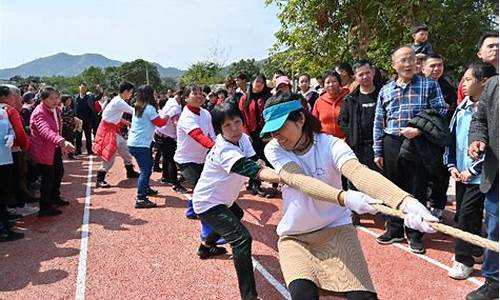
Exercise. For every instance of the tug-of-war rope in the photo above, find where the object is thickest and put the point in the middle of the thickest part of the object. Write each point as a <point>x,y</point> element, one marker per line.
<point>293,176</point>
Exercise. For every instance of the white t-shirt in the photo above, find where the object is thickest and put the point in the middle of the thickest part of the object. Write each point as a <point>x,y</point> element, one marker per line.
<point>323,161</point>
<point>172,111</point>
<point>217,185</point>
<point>188,150</point>
<point>113,111</point>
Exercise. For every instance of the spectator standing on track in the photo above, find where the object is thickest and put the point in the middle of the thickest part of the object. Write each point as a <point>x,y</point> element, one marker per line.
<point>487,51</point>
<point>483,133</point>
<point>433,68</point>
<point>85,110</point>
<point>464,171</point>
<point>68,119</point>
<point>108,142</point>
<point>6,171</point>
<point>251,105</point>
<point>228,164</point>
<point>399,101</point>
<point>317,237</point>
<point>305,89</point>
<point>145,119</point>
<point>327,107</point>
<point>166,138</point>
<point>46,128</point>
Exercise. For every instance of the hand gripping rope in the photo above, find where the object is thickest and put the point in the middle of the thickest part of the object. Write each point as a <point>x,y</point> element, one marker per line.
<point>376,186</point>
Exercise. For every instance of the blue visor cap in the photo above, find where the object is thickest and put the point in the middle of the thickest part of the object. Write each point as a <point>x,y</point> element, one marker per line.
<point>275,116</point>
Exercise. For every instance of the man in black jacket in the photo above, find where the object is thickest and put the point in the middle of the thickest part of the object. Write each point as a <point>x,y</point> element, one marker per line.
<point>358,112</point>
<point>433,68</point>
<point>85,111</point>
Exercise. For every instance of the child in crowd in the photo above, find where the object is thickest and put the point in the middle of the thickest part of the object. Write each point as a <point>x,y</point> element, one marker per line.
<point>6,170</point>
<point>144,121</point>
<point>421,45</point>
<point>230,161</point>
<point>46,128</point>
<point>465,171</point>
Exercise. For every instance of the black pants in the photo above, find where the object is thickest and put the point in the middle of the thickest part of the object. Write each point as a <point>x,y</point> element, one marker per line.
<point>191,172</point>
<point>20,170</point>
<point>167,146</point>
<point>6,190</point>
<point>226,222</point>
<point>439,188</point>
<point>410,176</point>
<point>51,181</point>
<point>87,130</point>
<point>470,203</point>
<point>304,289</point>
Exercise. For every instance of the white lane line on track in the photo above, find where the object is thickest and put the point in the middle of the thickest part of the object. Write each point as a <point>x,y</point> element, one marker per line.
<point>424,257</point>
<point>270,278</point>
<point>82,263</point>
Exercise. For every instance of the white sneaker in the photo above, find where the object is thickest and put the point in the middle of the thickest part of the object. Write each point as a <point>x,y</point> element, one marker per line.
<point>26,210</point>
<point>460,271</point>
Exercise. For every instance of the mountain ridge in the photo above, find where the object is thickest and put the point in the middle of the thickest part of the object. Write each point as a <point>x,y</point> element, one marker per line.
<point>67,65</point>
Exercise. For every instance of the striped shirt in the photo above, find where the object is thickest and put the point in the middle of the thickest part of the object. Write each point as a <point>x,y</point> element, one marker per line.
<point>399,103</point>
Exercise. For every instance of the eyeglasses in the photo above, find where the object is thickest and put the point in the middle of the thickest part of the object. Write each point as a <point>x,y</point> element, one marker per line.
<point>409,60</point>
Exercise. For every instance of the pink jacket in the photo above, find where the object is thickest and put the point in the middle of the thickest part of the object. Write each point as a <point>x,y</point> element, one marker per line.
<point>44,134</point>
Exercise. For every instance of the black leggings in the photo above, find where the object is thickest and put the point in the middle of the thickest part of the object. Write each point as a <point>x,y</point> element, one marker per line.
<point>303,289</point>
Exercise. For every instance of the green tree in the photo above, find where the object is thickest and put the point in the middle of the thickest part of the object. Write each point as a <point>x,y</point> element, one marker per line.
<point>93,76</point>
<point>139,72</point>
<point>202,73</point>
<point>317,34</point>
<point>66,85</point>
<point>247,66</point>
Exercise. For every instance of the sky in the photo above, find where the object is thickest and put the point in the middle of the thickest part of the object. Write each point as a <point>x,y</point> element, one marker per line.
<point>173,33</point>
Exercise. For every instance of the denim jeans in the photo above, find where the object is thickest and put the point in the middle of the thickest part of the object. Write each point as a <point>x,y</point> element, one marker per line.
<point>145,161</point>
<point>490,265</point>
<point>225,221</point>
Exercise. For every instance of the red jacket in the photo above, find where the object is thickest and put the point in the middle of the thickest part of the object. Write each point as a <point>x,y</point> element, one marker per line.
<point>327,110</point>
<point>252,116</point>
<point>21,139</point>
<point>105,140</point>
<point>45,136</point>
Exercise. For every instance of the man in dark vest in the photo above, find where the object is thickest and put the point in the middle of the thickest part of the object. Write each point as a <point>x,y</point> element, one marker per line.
<point>85,110</point>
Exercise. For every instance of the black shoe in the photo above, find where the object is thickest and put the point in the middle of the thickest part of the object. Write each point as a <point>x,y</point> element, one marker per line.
<point>157,169</point>
<point>180,189</point>
<point>49,211</point>
<point>205,252</point>
<point>61,202</point>
<point>489,290</point>
<point>388,238</point>
<point>416,246</point>
<point>131,173</point>
<point>271,193</point>
<point>151,192</point>
<point>167,182</point>
<point>257,190</point>
<point>13,217</point>
<point>144,203</point>
<point>8,235</point>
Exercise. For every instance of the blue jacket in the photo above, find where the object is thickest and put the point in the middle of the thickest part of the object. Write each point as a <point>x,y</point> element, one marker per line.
<point>456,155</point>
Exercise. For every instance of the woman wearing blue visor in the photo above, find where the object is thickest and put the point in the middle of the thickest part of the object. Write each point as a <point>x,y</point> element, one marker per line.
<point>318,246</point>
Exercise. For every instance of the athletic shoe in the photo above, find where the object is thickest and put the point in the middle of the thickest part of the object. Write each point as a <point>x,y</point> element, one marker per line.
<point>8,235</point>
<point>151,192</point>
<point>478,259</point>
<point>460,271</point>
<point>102,184</point>
<point>488,291</point>
<point>438,213</point>
<point>50,211</point>
<point>416,246</point>
<point>27,210</point>
<point>388,238</point>
<point>205,252</point>
<point>61,202</point>
<point>144,203</point>
<point>167,182</point>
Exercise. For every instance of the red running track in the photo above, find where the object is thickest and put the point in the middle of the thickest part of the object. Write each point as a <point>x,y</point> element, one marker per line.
<point>151,254</point>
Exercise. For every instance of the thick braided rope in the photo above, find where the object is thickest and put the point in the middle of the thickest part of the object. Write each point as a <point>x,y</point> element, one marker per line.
<point>292,175</point>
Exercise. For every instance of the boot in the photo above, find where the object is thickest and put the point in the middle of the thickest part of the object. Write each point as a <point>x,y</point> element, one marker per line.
<point>131,173</point>
<point>100,180</point>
